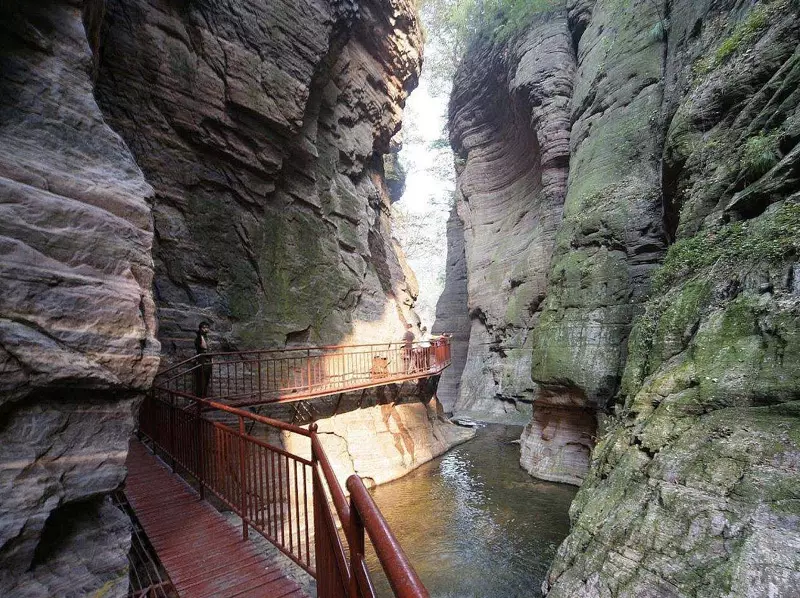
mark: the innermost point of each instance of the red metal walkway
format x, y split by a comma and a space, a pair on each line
204, 555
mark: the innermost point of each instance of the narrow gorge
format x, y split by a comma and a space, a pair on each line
627, 210
621, 294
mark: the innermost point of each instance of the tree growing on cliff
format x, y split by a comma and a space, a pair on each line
451, 25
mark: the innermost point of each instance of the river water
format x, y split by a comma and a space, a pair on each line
473, 523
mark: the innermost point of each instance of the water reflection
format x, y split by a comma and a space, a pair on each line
474, 523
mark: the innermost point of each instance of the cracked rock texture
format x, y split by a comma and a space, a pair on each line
77, 319
670, 310
262, 126
380, 435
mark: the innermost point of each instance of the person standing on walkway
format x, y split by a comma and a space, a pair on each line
202, 373
408, 349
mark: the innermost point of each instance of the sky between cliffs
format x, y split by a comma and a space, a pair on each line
420, 217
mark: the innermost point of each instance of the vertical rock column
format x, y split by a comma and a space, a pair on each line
611, 237
509, 124
452, 314
77, 345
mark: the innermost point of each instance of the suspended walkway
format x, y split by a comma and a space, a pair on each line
293, 500
245, 378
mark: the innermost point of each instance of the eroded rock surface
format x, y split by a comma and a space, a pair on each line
694, 491
266, 129
509, 120
682, 132
380, 434
262, 126
452, 313
77, 322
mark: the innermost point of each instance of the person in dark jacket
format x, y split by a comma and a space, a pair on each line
202, 373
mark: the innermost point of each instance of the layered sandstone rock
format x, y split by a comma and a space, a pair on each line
452, 313
266, 129
508, 117
682, 128
694, 489
262, 125
77, 325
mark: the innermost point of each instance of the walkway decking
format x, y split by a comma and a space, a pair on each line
204, 555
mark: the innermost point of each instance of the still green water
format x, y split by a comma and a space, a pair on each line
475, 524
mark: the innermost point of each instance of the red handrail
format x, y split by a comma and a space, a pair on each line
401, 575
244, 378
261, 483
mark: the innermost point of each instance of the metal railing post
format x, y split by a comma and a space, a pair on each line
172, 431
308, 368
258, 358
201, 453
355, 538
319, 533
242, 484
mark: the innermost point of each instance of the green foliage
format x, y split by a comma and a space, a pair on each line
744, 34
451, 25
771, 238
439, 144
760, 154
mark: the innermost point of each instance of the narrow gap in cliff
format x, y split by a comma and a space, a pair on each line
61, 525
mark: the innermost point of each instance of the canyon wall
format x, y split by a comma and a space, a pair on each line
508, 115
77, 319
667, 320
262, 127
266, 129
174, 161
452, 313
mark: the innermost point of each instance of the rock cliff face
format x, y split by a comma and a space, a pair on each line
682, 129
261, 125
229, 156
509, 120
77, 321
452, 313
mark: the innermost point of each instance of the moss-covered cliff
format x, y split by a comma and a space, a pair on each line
172, 161
262, 126
669, 314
